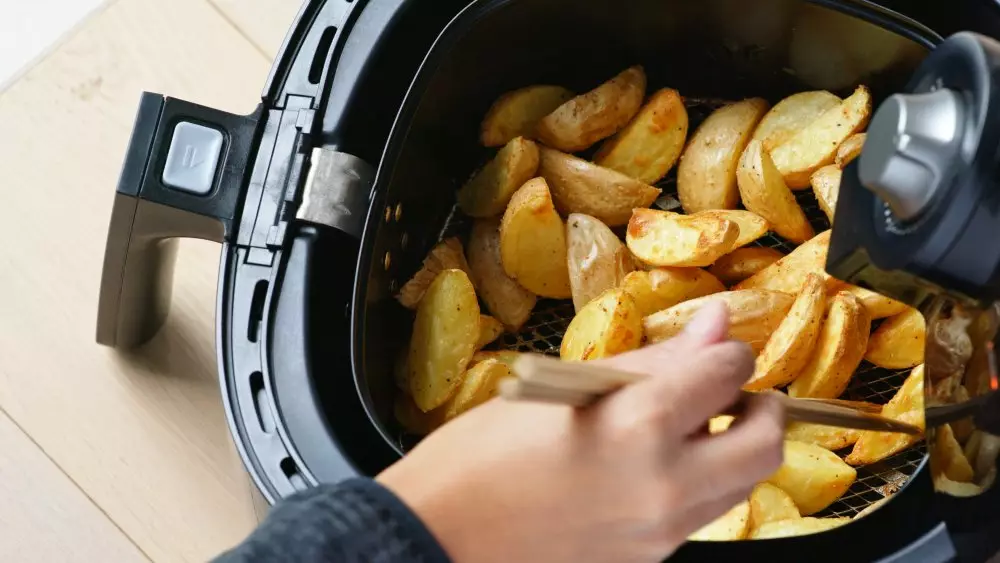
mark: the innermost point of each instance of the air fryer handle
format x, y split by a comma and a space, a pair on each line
181, 178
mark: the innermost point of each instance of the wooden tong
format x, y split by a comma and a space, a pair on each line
545, 379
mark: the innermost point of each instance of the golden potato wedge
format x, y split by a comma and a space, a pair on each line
505, 299
489, 190
533, 242
849, 149
489, 330
797, 527
596, 257
839, 350
742, 263
790, 346
444, 338
706, 175
871, 508
517, 113
791, 115
907, 405
816, 144
649, 146
607, 326
664, 238
813, 476
879, 306
825, 183
763, 191
720, 423
506, 357
478, 386
751, 225
731, 526
447, 254
660, 288
788, 274
947, 457
827, 437
899, 341
579, 186
414, 420
770, 504
582, 121
753, 316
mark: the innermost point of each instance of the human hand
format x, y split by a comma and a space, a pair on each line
626, 479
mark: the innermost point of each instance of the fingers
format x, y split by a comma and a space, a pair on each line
710, 325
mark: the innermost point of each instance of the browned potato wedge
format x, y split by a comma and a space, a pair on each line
871, 508
879, 306
907, 405
816, 144
507, 357
898, 342
788, 274
731, 526
506, 300
660, 288
826, 186
850, 149
839, 350
947, 457
446, 255
770, 504
478, 386
753, 316
706, 175
792, 114
813, 476
742, 263
663, 238
533, 242
605, 327
489, 330
597, 258
791, 345
751, 225
764, 192
517, 113
444, 338
488, 192
828, 437
579, 186
414, 420
650, 145
798, 527
595, 115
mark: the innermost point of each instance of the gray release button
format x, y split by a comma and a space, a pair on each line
192, 158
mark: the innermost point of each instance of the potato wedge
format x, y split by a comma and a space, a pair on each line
763, 191
414, 420
898, 342
517, 113
582, 121
849, 149
607, 326
816, 145
507, 357
579, 186
596, 256
770, 504
751, 225
447, 254
945, 485
907, 405
706, 175
661, 288
788, 274
839, 350
825, 184
792, 114
663, 238
790, 346
797, 527
649, 146
720, 423
812, 476
742, 263
947, 457
488, 192
753, 316
533, 242
879, 306
478, 386
827, 437
444, 338
505, 299
489, 330
731, 526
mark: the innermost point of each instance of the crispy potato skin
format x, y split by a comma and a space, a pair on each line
812, 476
649, 146
825, 183
742, 263
533, 242
838, 352
763, 191
505, 299
907, 405
791, 114
798, 527
706, 175
770, 504
661, 288
586, 119
597, 258
447, 254
517, 113
731, 526
850, 149
898, 342
604, 327
489, 191
788, 274
751, 225
579, 186
663, 238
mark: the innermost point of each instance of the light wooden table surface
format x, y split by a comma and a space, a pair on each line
105, 456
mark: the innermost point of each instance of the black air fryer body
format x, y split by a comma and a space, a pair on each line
305, 320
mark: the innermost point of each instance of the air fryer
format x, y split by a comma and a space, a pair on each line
328, 196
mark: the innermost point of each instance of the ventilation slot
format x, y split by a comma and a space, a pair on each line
261, 403
322, 50
257, 310
291, 471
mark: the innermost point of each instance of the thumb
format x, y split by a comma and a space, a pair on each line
710, 325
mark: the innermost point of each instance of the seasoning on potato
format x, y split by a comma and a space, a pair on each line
731, 526
742, 263
661, 288
597, 259
505, 299
788, 274
663, 238
605, 327
445, 255
907, 405
517, 113
812, 476
763, 191
825, 183
792, 114
899, 341
838, 352
751, 225
489, 191
533, 242
849, 149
